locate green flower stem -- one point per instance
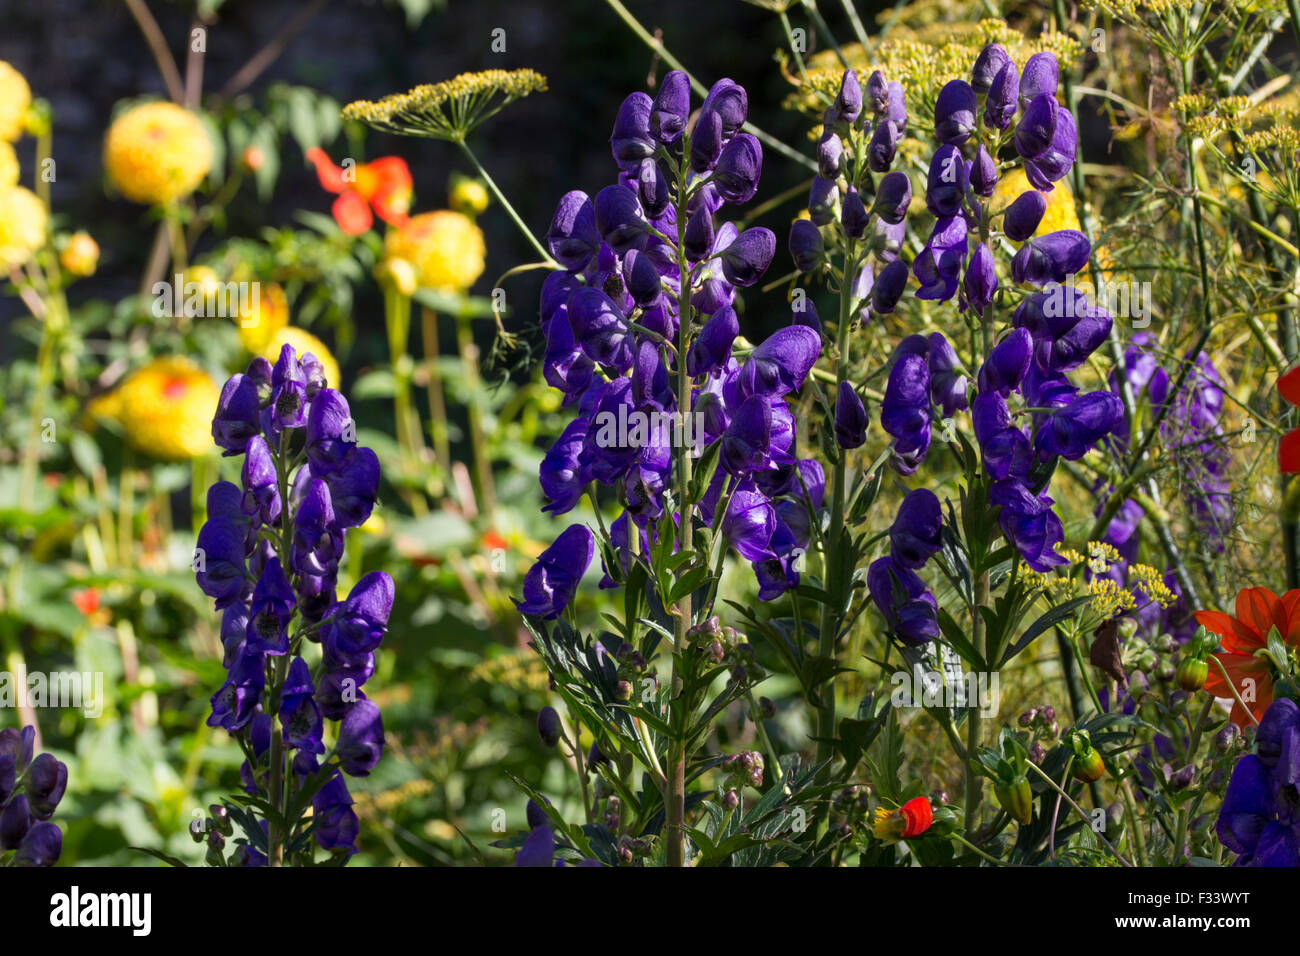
(649, 40)
(974, 781)
(397, 318)
(437, 397)
(764, 741)
(505, 203)
(474, 386)
(1078, 809)
(855, 21)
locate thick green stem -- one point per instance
(974, 719)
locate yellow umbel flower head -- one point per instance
(15, 97)
(8, 167)
(445, 247)
(157, 153)
(263, 320)
(303, 342)
(165, 409)
(22, 226)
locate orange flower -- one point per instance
(1288, 449)
(87, 601)
(384, 184)
(910, 820)
(1259, 610)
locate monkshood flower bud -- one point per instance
(806, 245)
(830, 153)
(905, 411)
(1029, 523)
(983, 173)
(896, 112)
(746, 259)
(534, 815)
(889, 287)
(706, 142)
(573, 237)
(987, 66)
(893, 196)
(631, 141)
(908, 607)
(947, 380)
(288, 391)
(619, 219)
(712, 347)
(877, 93)
(238, 417)
(981, 280)
(1051, 258)
(47, 779)
(671, 108)
(739, 167)
(850, 418)
(601, 329)
(946, 185)
(1037, 127)
(954, 113)
(314, 372)
(549, 727)
(1023, 215)
(730, 102)
(1041, 76)
(854, 217)
(917, 532)
(553, 580)
(777, 366)
(823, 201)
(1007, 363)
(1000, 107)
(882, 147)
(698, 239)
(749, 522)
(939, 266)
(1004, 448)
(1066, 326)
(848, 101)
(221, 549)
(651, 185)
(1073, 430)
(361, 739)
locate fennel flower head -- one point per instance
(157, 153)
(165, 409)
(445, 247)
(15, 97)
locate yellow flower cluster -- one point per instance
(517, 672)
(15, 98)
(445, 248)
(1060, 212)
(165, 409)
(157, 153)
(1152, 583)
(23, 217)
(386, 801)
(448, 110)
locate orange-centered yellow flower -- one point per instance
(157, 153)
(165, 409)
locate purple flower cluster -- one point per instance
(908, 607)
(631, 258)
(30, 791)
(269, 557)
(1260, 816)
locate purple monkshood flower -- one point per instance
(631, 141)
(947, 380)
(361, 739)
(1004, 447)
(261, 488)
(299, 714)
(889, 287)
(917, 532)
(30, 792)
(908, 607)
(905, 411)
(288, 391)
(601, 329)
(1000, 107)
(354, 487)
(946, 184)
(823, 201)
(238, 417)
(983, 173)
(848, 101)
(560, 474)
(1257, 819)
(1029, 523)
(271, 611)
(358, 624)
(553, 580)
(671, 108)
(939, 266)
(750, 522)
(1065, 324)
(882, 147)
(1007, 363)
(573, 237)
(954, 113)
(893, 196)
(729, 101)
(619, 218)
(778, 365)
(850, 418)
(746, 259)
(738, 169)
(336, 825)
(1051, 258)
(219, 561)
(1071, 431)
(987, 66)
(981, 280)
(1023, 215)
(331, 434)
(1041, 76)
(806, 245)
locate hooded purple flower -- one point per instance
(747, 443)
(238, 415)
(573, 238)
(1066, 326)
(706, 142)
(823, 201)
(1000, 107)
(619, 218)
(750, 522)
(354, 487)
(1004, 447)
(261, 488)
(848, 101)
(939, 266)
(317, 542)
(335, 824)
(631, 141)
(361, 739)
(1073, 430)
(1053, 163)
(601, 329)
(983, 173)
(946, 185)
(1037, 127)
(882, 147)
(271, 611)
(1023, 215)
(553, 580)
(358, 624)
(987, 66)
(712, 347)
(219, 561)
(746, 259)
(893, 196)
(954, 113)
(738, 169)
(1041, 76)
(850, 418)
(905, 411)
(1007, 363)
(889, 287)
(806, 245)
(917, 532)
(47, 780)
(908, 607)
(730, 102)
(40, 847)
(1054, 257)
(560, 474)
(235, 704)
(671, 108)
(853, 216)
(331, 434)
(1029, 523)
(288, 391)
(778, 365)
(981, 280)
(947, 381)
(299, 714)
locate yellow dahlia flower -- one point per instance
(81, 255)
(15, 97)
(260, 323)
(165, 409)
(303, 342)
(445, 247)
(157, 153)
(8, 167)
(22, 227)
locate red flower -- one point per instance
(1259, 610)
(1288, 449)
(384, 184)
(917, 815)
(87, 601)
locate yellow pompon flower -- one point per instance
(165, 408)
(445, 247)
(468, 196)
(23, 220)
(157, 153)
(303, 342)
(8, 167)
(263, 319)
(80, 256)
(15, 97)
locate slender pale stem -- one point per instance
(505, 203)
